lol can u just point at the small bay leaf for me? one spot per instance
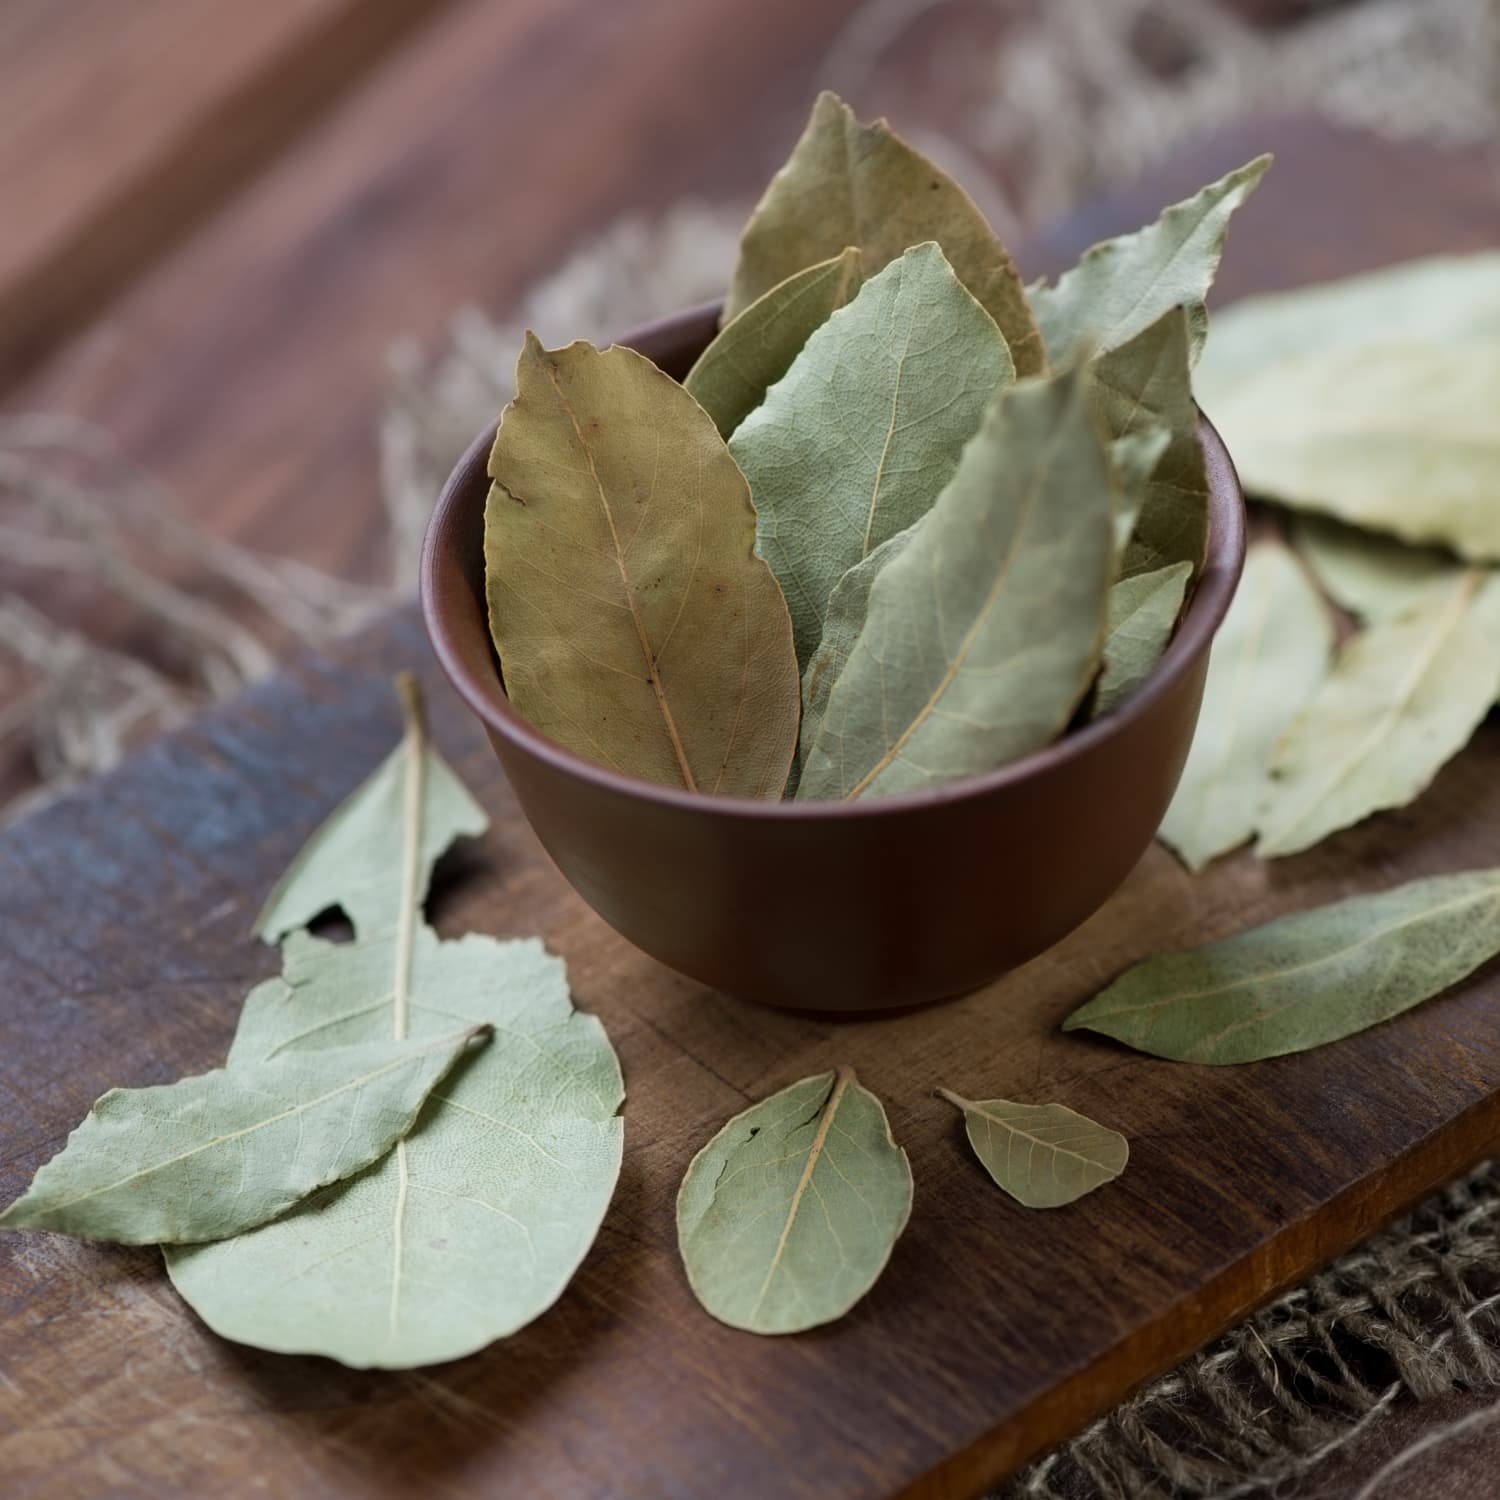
(862, 185)
(1122, 286)
(1306, 979)
(751, 353)
(216, 1154)
(1268, 658)
(787, 1217)
(1142, 612)
(1394, 437)
(633, 621)
(1043, 1155)
(1134, 459)
(855, 442)
(1403, 698)
(982, 636)
(1143, 387)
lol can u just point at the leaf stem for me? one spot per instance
(411, 847)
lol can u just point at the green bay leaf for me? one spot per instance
(1121, 286)
(753, 351)
(854, 443)
(1142, 612)
(1043, 1155)
(216, 1154)
(1306, 979)
(787, 1217)
(633, 621)
(982, 636)
(1404, 696)
(862, 185)
(1393, 437)
(1268, 658)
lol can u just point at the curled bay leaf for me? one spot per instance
(1043, 1155)
(216, 1154)
(1375, 577)
(633, 621)
(753, 351)
(1142, 612)
(1394, 437)
(1268, 658)
(862, 185)
(982, 636)
(1144, 387)
(1306, 979)
(855, 442)
(787, 1217)
(1403, 697)
(1122, 286)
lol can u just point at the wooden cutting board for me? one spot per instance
(125, 913)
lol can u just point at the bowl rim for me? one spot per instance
(1223, 559)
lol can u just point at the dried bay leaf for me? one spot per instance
(1043, 1155)
(1306, 979)
(1404, 696)
(862, 185)
(751, 353)
(1134, 459)
(1395, 437)
(1143, 387)
(1122, 286)
(1142, 612)
(1375, 577)
(1268, 659)
(787, 1217)
(633, 621)
(983, 635)
(855, 442)
(216, 1154)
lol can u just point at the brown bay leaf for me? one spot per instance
(1306, 979)
(862, 185)
(634, 623)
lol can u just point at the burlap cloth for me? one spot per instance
(1380, 1376)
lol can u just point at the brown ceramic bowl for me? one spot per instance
(840, 906)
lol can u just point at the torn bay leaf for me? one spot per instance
(983, 635)
(751, 353)
(1306, 979)
(862, 185)
(1404, 696)
(1142, 612)
(1143, 387)
(787, 1217)
(1043, 1155)
(1372, 576)
(855, 443)
(1121, 286)
(1268, 659)
(1395, 437)
(633, 621)
(216, 1154)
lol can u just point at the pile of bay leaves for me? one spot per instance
(904, 520)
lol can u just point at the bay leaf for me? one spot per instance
(1143, 387)
(1395, 437)
(1142, 612)
(983, 635)
(1404, 696)
(1268, 658)
(753, 351)
(787, 1217)
(475, 1223)
(1121, 286)
(1306, 979)
(862, 185)
(1043, 1155)
(1372, 576)
(1442, 300)
(216, 1154)
(858, 438)
(1134, 458)
(633, 622)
